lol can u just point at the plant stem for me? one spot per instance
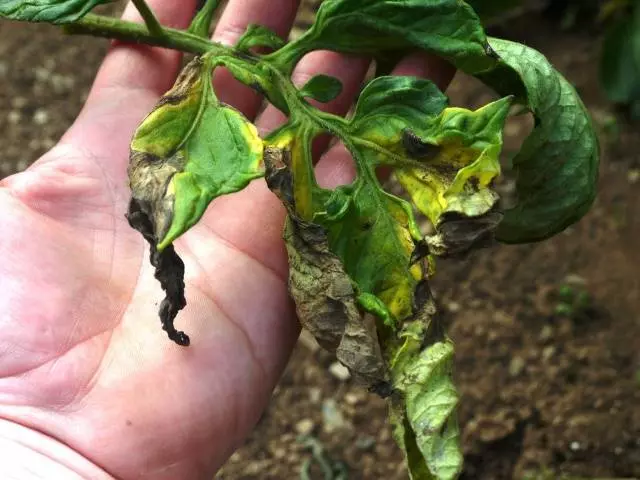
(150, 19)
(201, 24)
(108, 27)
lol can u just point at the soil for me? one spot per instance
(547, 336)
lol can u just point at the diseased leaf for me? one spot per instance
(258, 36)
(557, 166)
(322, 88)
(446, 158)
(425, 419)
(325, 298)
(189, 150)
(446, 27)
(50, 11)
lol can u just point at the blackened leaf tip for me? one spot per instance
(169, 271)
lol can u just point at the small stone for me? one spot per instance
(339, 371)
(19, 102)
(315, 395)
(40, 117)
(633, 176)
(516, 366)
(548, 352)
(42, 74)
(454, 307)
(14, 117)
(575, 446)
(353, 398)
(279, 453)
(305, 426)
(332, 417)
(365, 442)
(546, 333)
(618, 451)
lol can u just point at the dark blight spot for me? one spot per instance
(415, 147)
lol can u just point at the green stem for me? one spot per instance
(150, 19)
(100, 26)
(201, 23)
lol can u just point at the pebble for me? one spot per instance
(454, 307)
(365, 442)
(42, 74)
(353, 398)
(305, 426)
(19, 102)
(14, 117)
(548, 352)
(516, 366)
(633, 176)
(332, 417)
(40, 117)
(546, 333)
(575, 446)
(315, 395)
(339, 371)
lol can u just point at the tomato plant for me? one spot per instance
(359, 263)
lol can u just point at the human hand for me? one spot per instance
(87, 376)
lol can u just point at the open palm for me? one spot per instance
(83, 360)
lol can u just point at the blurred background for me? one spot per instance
(547, 336)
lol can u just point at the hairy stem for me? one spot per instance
(108, 27)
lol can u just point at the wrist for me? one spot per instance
(29, 454)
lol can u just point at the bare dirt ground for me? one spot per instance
(547, 336)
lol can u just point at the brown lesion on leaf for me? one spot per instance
(149, 179)
(458, 234)
(189, 75)
(417, 148)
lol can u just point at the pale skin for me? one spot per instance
(90, 386)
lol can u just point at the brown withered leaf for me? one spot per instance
(324, 294)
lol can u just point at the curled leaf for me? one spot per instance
(189, 150)
(557, 166)
(50, 11)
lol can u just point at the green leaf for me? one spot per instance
(424, 421)
(557, 166)
(620, 59)
(322, 88)
(259, 36)
(446, 27)
(50, 11)
(189, 150)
